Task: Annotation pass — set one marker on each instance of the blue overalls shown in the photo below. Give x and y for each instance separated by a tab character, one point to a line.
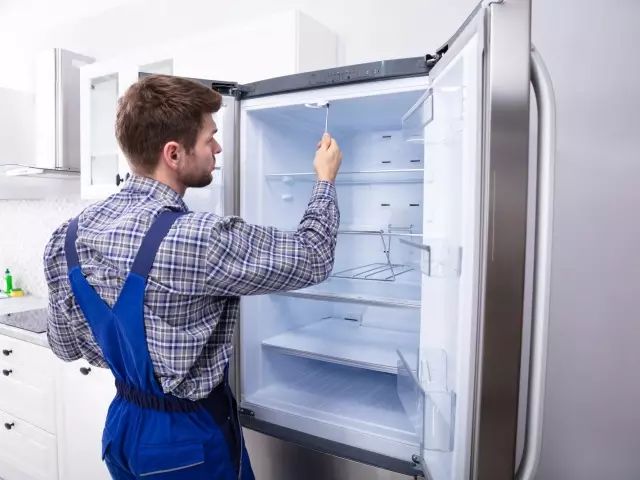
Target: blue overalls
150	434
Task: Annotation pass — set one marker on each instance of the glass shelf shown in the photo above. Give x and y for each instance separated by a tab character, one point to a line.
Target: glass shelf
423	392
346	342
313	293
400	175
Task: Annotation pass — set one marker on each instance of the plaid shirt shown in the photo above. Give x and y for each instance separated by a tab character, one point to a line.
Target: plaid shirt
202	267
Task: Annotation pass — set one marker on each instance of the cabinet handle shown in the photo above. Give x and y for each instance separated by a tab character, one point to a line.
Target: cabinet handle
120	180
85	371
9	426
6	353
6	373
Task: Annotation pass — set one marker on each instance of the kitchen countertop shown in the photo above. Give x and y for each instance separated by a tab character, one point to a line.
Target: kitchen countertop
18	305
39	339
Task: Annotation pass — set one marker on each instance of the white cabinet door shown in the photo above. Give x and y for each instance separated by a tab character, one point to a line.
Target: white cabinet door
104	167
84	394
281	44
26	452
100	157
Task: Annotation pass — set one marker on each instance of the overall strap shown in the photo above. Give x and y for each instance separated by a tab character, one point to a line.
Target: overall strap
151	242
70	245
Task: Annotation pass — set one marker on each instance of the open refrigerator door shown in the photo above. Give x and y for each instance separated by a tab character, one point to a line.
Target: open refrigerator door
378	360
436	381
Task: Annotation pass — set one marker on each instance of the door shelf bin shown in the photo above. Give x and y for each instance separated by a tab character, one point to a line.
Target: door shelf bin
445	126
440	258
417	118
424	395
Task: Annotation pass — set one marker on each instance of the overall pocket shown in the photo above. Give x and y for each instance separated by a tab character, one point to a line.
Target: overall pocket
172	461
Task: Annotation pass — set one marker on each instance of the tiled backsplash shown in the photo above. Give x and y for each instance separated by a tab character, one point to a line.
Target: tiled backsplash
25	229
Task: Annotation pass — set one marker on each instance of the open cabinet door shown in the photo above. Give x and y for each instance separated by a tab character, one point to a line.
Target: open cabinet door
461	389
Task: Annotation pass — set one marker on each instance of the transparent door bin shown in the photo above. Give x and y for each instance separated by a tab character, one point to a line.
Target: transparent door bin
441	109
423	392
417	118
440	258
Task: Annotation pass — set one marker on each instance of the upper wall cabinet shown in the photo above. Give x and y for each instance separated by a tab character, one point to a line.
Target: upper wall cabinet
41	130
104	167
281	44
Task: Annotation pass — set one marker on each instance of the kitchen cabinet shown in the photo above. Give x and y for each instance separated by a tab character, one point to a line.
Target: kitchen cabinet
28	429
52	414
85	393
103	165
44	164
281	44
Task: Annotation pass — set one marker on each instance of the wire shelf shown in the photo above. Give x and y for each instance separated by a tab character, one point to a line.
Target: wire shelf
385	272
378	271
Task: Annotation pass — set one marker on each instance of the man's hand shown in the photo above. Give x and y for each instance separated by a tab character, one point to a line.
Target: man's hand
328	159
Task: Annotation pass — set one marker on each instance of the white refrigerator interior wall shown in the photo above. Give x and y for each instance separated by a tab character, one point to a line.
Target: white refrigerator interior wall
591	423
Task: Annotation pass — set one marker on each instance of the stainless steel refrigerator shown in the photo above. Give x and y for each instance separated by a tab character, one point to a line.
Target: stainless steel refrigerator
407	359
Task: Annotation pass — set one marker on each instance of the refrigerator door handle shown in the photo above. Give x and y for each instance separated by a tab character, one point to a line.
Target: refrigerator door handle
545	101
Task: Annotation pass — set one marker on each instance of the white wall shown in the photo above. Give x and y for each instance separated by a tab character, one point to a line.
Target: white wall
99	30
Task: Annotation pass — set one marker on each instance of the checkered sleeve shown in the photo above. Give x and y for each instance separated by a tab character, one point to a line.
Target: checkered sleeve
60	334
246	259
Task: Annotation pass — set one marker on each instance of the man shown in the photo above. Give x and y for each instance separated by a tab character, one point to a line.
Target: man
142	286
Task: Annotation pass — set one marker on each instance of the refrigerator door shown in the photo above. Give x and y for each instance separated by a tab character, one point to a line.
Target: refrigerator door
221	196
461	389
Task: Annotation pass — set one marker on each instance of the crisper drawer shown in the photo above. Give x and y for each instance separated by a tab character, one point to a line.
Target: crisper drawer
28	395
24	354
26	452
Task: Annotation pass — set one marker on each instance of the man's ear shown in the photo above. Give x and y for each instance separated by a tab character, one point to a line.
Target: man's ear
171	154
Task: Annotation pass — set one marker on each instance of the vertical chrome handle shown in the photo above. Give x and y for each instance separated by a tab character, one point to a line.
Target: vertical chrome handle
545	101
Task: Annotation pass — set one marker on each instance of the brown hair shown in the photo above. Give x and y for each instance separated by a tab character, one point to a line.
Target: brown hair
158	109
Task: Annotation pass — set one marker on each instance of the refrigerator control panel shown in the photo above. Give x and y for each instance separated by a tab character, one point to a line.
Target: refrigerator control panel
346	75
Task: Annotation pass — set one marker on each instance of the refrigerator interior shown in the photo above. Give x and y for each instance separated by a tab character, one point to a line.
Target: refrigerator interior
377	356
328	354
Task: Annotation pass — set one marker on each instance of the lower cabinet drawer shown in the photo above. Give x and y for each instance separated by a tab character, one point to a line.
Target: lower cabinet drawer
26	452
28	395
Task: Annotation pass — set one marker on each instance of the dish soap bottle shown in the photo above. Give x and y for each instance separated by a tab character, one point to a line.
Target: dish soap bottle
8	281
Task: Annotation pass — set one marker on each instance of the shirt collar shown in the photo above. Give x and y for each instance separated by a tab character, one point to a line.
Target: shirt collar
151	188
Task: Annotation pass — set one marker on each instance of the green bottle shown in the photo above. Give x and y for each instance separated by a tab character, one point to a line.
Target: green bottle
8	279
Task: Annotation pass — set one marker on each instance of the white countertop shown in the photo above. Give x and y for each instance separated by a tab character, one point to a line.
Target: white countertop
22	304
25	335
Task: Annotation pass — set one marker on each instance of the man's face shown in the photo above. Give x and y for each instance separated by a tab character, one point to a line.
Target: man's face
197	170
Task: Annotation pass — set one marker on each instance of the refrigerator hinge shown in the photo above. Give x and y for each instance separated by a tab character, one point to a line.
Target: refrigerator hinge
240	90
246	412
432	59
